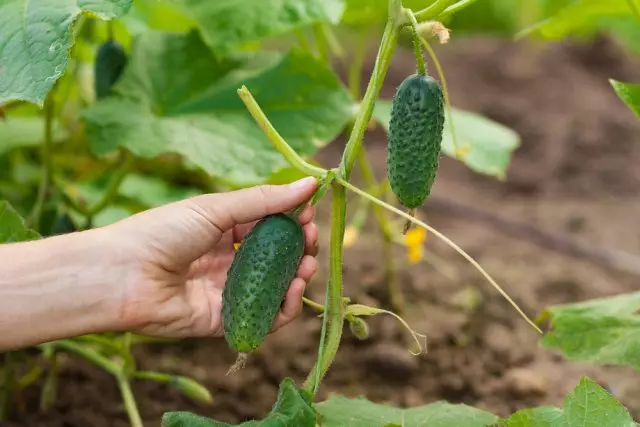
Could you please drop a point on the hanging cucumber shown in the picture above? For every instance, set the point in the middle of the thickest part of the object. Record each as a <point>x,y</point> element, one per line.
<point>258,279</point>
<point>415,138</point>
<point>110,62</point>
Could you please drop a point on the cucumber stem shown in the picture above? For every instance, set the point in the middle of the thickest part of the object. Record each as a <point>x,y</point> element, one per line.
<point>275,138</point>
<point>334,310</point>
<point>383,59</point>
<point>433,10</point>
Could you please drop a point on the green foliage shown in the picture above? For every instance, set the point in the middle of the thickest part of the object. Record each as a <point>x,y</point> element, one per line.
<point>584,18</point>
<point>293,408</point>
<point>487,145</point>
<point>629,93</point>
<point>341,411</point>
<point>16,132</point>
<point>12,226</point>
<point>226,25</point>
<point>603,331</point>
<point>588,405</point>
<point>36,37</point>
<point>176,97</point>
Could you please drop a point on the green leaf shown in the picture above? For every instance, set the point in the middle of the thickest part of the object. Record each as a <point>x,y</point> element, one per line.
<point>602,331</point>
<point>26,132</point>
<point>581,16</point>
<point>228,24</point>
<point>588,405</point>
<point>151,191</point>
<point>35,39</point>
<point>292,409</point>
<point>341,411</point>
<point>176,97</point>
<point>146,15</point>
<point>488,144</point>
<point>629,93</point>
<point>12,226</point>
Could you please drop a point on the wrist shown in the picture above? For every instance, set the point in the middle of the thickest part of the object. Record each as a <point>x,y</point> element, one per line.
<point>59,287</point>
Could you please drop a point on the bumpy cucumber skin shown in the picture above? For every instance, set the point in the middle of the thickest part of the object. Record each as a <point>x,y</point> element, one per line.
<point>415,139</point>
<point>110,62</point>
<point>258,279</point>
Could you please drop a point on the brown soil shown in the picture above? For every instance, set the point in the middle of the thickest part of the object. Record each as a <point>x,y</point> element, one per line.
<point>576,172</point>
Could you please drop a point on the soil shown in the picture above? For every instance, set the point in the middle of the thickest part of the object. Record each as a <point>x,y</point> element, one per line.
<point>575,173</point>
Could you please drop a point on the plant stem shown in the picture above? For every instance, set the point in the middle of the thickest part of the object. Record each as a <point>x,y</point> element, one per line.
<point>47,162</point>
<point>332,41</point>
<point>313,304</point>
<point>320,41</point>
<point>445,90</point>
<point>90,355</point>
<point>275,138</point>
<point>158,377</point>
<point>635,8</point>
<point>302,40</point>
<point>433,10</point>
<point>417,48</point>
<point>462,4</point>
<point>355,67</point>
<point>129,401</point>
<point>7,386</point>
<point>387,47</point>
<point>114,185</point>
<point>397,300</point>
<point>334,306</point>
<point>50,387</point>
<point>443,238</point>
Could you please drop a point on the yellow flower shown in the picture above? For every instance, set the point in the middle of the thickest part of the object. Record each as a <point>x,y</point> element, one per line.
<point>414,240</point>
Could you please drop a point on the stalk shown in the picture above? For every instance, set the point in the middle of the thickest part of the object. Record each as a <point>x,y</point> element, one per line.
<point>50,387</point>
<point>7,386</point>
<point>387,47</point>
<point>334,310</point>
<point>47,163</point>
<point>433,10</point>
<point>129,401</point>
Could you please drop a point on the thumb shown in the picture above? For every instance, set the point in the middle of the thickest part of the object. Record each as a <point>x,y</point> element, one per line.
<point>226,210</point>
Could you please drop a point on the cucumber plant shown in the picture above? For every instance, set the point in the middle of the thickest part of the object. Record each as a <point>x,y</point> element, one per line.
<point>132,118</point>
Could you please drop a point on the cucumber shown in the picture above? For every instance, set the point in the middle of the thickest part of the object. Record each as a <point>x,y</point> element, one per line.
<point>110,62</point>
<point>258,279</point>
<point>415,139</point>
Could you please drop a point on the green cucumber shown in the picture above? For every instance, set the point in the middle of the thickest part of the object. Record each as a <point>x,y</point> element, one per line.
<point>258,279</point>
<point>415,139</point>
<point>110,62</point>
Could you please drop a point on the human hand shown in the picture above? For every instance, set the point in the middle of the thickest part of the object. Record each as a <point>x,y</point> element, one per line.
<point>175,258</point>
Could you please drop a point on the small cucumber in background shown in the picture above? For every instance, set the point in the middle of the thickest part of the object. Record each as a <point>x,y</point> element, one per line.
<point>415,139</point>
<point>110,62</point>
<point>258,279</point>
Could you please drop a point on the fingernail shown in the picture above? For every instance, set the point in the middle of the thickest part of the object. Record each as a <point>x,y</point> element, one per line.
<point>303,184</point>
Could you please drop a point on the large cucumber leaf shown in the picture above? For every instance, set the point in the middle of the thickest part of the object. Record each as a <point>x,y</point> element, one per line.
<point>588,405</point>
<point>175,96</point>
<point>227,24</point>
<point>602,331</point>
<point>341,411</point>
<point>293,408</point>
<point>35,38</point>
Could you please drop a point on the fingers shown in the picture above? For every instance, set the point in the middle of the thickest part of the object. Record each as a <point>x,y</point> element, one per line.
<point>225,210</point>
<point>308,267</point>
<point>292,306</point>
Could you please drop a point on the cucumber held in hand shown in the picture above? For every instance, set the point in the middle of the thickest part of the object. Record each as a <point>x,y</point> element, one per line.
<point>110,62</point>
<point>257,281</point>
<point>415,138</point>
